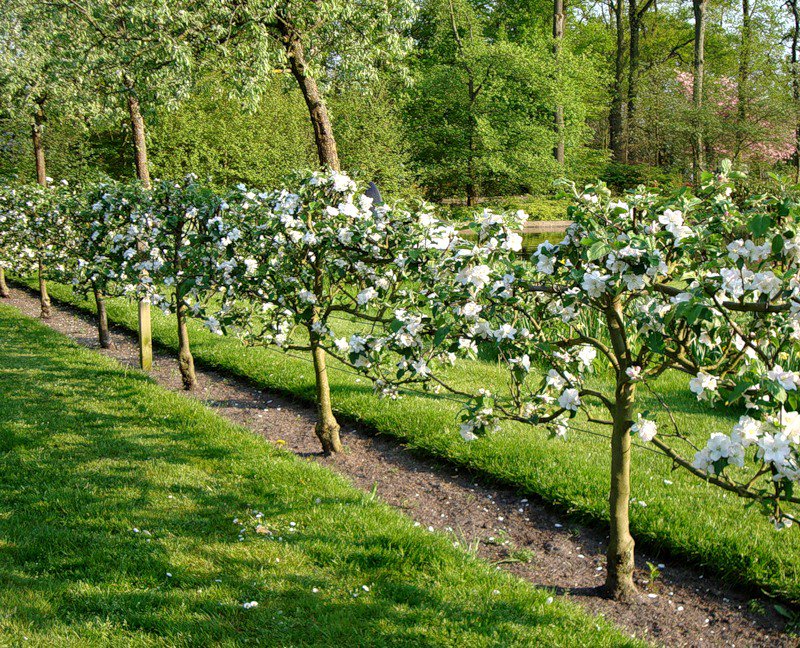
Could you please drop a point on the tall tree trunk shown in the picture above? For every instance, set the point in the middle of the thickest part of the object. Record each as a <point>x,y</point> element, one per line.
<point>698,66</point>
<point>320,120</point>
<point>4,292</point>
<point>143,173</point>
<point>616,116</point>
<point>559,20</point>
<point>634,28</point>
<point>472,180</point>
<point>41,177</point>
<point>103,334</point>
<point>794,8</point>
<point>744,78</point>
<point>620,556</point>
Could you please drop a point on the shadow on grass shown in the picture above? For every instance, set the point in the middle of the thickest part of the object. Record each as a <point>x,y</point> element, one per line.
<point>116,508</point>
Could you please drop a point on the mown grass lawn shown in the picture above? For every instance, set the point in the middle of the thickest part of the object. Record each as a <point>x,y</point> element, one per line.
<point>671,509</point>
<point>118,503</point>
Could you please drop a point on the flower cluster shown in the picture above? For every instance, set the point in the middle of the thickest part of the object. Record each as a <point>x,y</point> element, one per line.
<point>703,284</point>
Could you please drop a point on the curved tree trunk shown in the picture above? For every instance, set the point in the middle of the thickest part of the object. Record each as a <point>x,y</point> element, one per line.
<point>327,428</point>
<point>323,130</point>
<point>4,292</point>
<point>143,173</point>
<point>185,359</point>
<point>620,555</point>
<point>103,334</point>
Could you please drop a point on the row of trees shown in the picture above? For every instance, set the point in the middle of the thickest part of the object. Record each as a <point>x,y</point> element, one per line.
<point>467,98</point>
<point>704,284</point>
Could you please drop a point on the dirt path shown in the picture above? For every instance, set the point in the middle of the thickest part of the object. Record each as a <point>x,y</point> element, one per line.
<point>521,534</point>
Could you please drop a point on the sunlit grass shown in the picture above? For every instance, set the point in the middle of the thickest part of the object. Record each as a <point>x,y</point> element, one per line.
<point>671,510</point>
<point>119,504</point>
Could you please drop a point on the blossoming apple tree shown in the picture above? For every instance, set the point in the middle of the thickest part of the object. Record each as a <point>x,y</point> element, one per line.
<point>190,238</point>
<point>112,243</point>
<point>703,284</point>
<point>304,261</point>
<point>35,233</point>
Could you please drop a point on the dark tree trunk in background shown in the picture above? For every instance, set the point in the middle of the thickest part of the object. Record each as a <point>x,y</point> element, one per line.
<point>616,117</point>
<point>698,67</point>
<point>143,173</point>
<point>794,9</point>
<point>559,20</point>
<point>103,334</point>
<point>744,77</point>
<point>323,130</point>
<point>634,28</point>
<point>41,177</point>
<point>636,15</point>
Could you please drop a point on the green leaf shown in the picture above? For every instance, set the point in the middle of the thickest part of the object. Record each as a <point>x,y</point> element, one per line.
<point>441,334</point>
<point>760,223</point>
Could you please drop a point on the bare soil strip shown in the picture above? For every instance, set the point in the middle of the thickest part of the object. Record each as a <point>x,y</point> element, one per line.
<point>682,607</point>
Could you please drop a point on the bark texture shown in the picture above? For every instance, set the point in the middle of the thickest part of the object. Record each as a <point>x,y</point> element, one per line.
<point>143,174</point>
<point>327,428</point>
<point>41,177</point>
<point>185,358</point>
<point>620,555</point>
<point>559,21</point>
<point>698,67</point>
<point>103,334</point>
<point>616,116</point>
<point>44,297</point>
<point>3,286</point>
<point>317,109</point>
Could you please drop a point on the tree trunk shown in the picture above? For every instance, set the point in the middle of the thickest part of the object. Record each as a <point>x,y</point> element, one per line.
<point>143,173</point>
<point>44,298</point>
<point>616,117</point>
<point>744,78</point>
<point>41,178</point>
<point>139,140</point>
<point>327,428</point>
<point>185,359</point>
<point>794,8</point>
<point>103,334</point>
<point>38,144</point>
<point>634,26</point>
<point>323,130</point>
<point>4,292</point>
<point>620,556</point>
<point>559,19</point>
<point>698,159</point>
